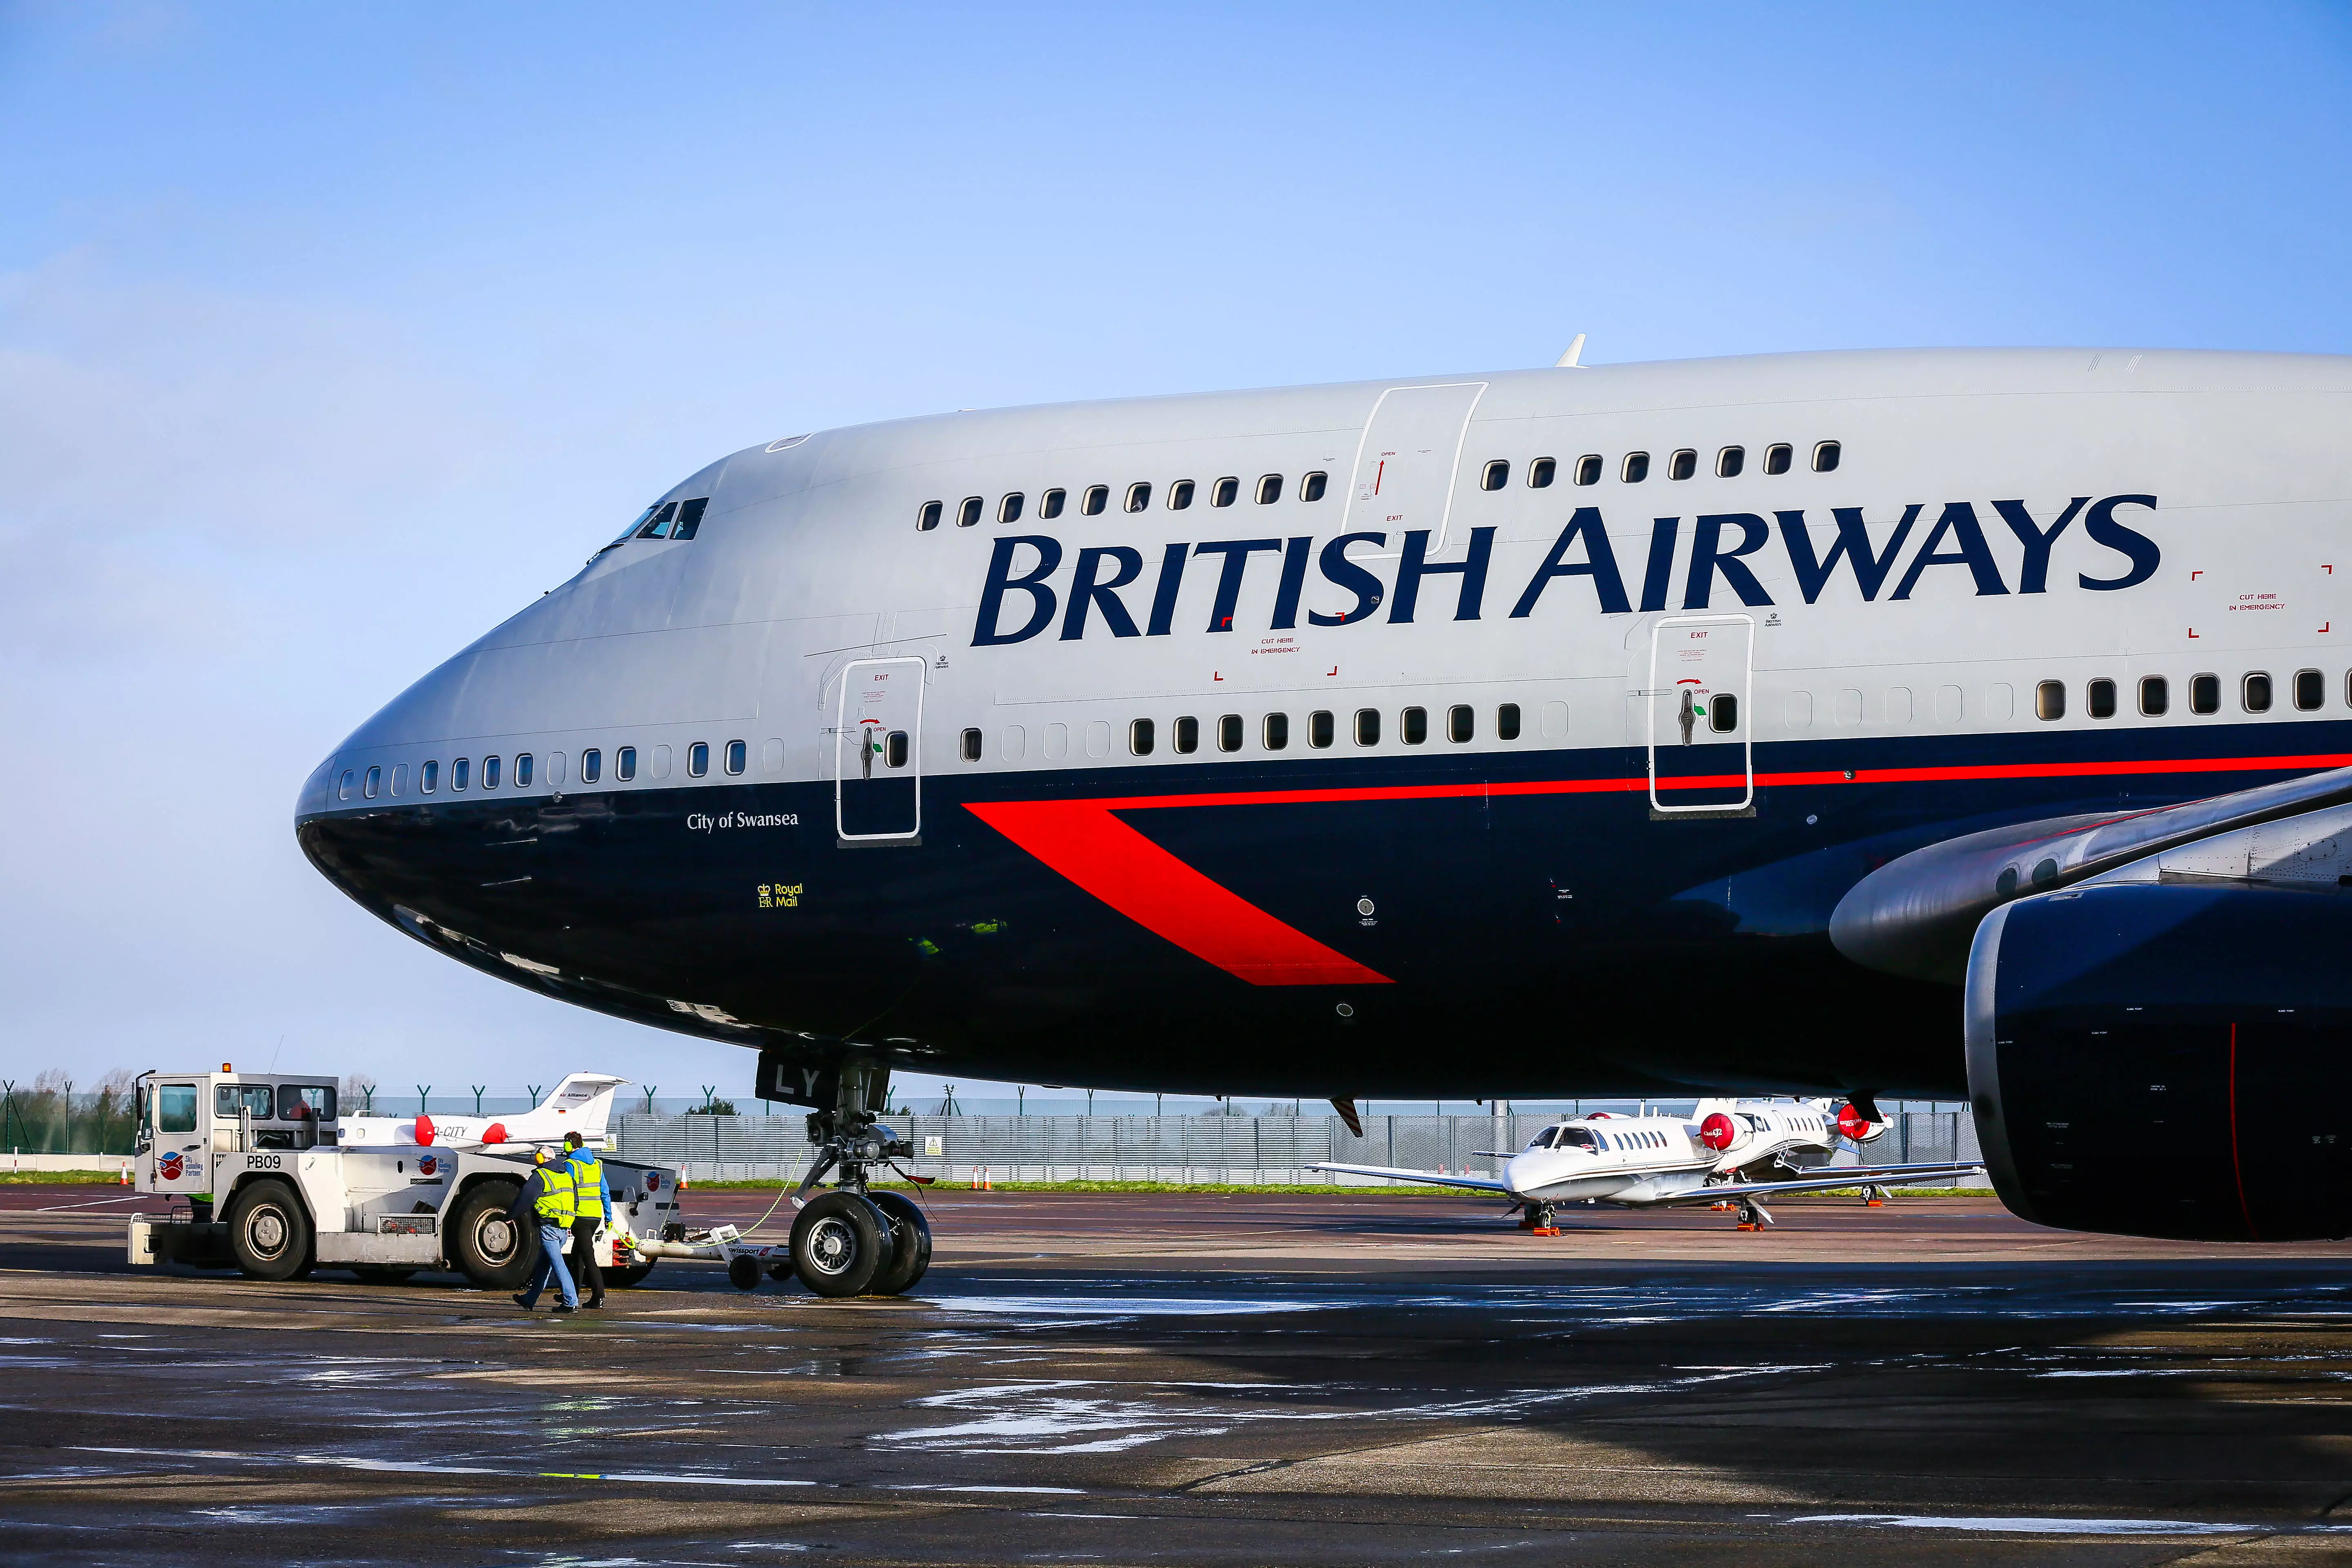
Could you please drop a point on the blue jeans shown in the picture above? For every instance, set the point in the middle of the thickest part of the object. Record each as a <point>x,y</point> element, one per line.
<point>550,1261</point>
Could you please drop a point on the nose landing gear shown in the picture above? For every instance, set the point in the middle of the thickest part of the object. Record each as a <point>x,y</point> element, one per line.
<point>851,1241</point>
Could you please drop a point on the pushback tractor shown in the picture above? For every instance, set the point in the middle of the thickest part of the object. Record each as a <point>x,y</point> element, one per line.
<point>274,1189</point>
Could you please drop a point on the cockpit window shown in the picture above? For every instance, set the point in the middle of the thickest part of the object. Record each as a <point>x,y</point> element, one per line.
<point>689,518</point>
<point>657,526</point>
<point>1577,1138</point>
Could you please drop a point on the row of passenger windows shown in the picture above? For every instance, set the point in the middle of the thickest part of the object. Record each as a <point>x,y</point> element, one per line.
<point>1095,500</point>
<point>461,777</point>
<point>1232,731</point>
<point>2256,694</point>
<point>1634,466</point>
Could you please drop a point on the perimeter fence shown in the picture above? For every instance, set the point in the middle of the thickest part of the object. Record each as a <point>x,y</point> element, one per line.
<point>1235,1150</point>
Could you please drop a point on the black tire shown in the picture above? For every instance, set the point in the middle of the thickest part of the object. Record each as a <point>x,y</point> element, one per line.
<point>839,1242</point>
<point>910,1251</point>
<point>377,1273</point>
<point>781,1273</point>
<point>495,1253</point>
<point>268,1231</point>
<point>743,1272</point>
<point>628,1278</point>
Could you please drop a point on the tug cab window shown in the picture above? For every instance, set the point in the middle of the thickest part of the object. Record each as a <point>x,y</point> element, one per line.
<point>252,1099</point>
<point>175,1108</point>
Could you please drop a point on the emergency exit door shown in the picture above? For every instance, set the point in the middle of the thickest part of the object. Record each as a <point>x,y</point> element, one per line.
<point>877,763</point>
<point>1700,758</point>
<point>1406,463</point>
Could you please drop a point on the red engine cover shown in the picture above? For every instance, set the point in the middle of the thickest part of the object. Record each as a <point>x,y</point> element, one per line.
<point>424,1128</point>
<point>1850,1123</point>
<point>1716,1132</point>
<point>496,1132</point>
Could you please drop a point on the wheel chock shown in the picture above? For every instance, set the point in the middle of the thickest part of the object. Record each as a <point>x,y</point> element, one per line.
<point>1543,1230</point>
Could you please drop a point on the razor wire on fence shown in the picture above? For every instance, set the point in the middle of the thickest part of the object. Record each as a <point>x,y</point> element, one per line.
<point>1237,1150</point>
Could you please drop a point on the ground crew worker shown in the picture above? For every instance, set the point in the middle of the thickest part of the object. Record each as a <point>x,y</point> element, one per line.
<point>592,1210</point>
<point>547,1199</point>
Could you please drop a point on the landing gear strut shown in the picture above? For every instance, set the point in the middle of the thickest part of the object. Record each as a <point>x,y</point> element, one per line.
<point>849,1241</point>
<point>1537,1218</point>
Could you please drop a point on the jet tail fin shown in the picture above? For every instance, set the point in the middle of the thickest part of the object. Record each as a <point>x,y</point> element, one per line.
<point>581,1103</point>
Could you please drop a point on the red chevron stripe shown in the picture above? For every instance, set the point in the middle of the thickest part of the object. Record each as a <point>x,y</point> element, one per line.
<point>1083,840</point>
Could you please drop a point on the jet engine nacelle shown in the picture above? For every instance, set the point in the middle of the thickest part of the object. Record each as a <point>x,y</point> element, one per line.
<point>2162,1059</point>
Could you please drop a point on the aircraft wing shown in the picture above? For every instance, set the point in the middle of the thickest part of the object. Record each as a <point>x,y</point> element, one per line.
<point>1847,1177</point>
<point>1475,1183</point>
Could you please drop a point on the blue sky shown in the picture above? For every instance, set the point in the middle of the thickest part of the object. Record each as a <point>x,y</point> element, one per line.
<point>331,335</point>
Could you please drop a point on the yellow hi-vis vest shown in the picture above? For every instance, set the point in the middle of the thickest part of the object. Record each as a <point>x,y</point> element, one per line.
<point>588,1195</point>
<point>556,1193</point>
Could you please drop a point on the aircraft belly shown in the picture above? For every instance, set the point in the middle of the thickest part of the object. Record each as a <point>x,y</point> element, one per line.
<point>1524,894</point>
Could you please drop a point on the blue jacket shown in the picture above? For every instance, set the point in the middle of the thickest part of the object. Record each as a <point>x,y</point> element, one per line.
<point>596,1200</point>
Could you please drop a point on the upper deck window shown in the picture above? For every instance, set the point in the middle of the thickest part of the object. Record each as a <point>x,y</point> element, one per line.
<point>1049,505</point>
<point>1776,458</point>
<point>1096,497</point>
<point>1139,495</point>
<point>1179,495</point>
<point>928,518</point>
<point>1009,509</point>
<point>1497,475</point>
<point>969,512</point>
<point>1729,461</point>
<point>1226,491</point>
<point>1312,486</point>
<point>1588,468</point>
<point>1636,468</point>
<point>1682,465</point>
<point>1826,457</point>
<point>1269,488</point>
<point>1542,472</point>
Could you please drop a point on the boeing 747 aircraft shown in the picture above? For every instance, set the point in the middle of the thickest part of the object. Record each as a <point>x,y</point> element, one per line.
<point>1932,723</point>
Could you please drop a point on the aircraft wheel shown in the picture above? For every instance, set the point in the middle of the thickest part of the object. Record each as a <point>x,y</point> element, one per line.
<point>376,1274</point>
<point>493,1251</point>
<point>839,1242</point>
<point>268,1231</point>
<point>911,1249</point>
<point>743,1272</point>
<point>627,1277</point>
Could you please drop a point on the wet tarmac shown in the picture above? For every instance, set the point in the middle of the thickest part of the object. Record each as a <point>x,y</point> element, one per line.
<point>1261,1379</point>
